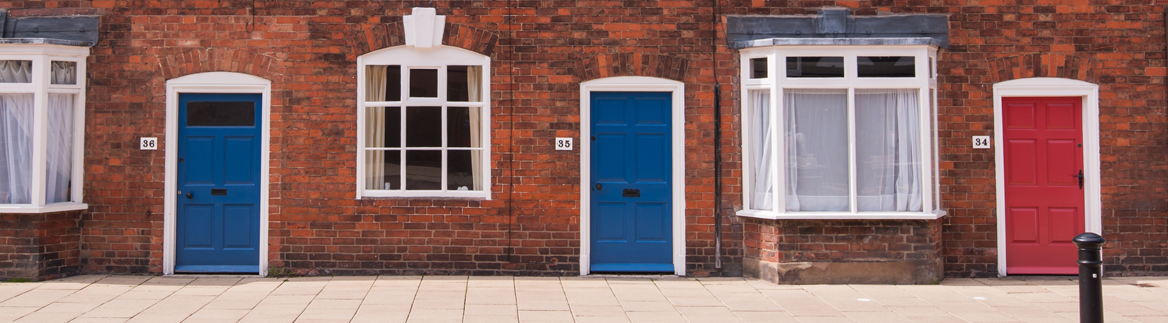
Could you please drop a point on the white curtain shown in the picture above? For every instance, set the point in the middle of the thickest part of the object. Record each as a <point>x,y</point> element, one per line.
<point>816,141</point>
<point>16,111</point>
<point>64,72</point>
<point>375,128</point>
<point>761,138</point>
<point>60,148</point>
<point>474,76</point>
<point>888,172</point>
<point>15,71</point>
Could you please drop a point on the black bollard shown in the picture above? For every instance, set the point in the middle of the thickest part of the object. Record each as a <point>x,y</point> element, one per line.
<point>1090,277</point>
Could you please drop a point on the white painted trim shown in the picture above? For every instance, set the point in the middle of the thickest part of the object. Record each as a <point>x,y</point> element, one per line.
<point>48,208</point>
<point>777,82</point>
<point>436,57</point>
<point>40,86</point>
<point>771,215</point>
<point>1052,87</point>
<point>212,82</point>
<point>634,84</point>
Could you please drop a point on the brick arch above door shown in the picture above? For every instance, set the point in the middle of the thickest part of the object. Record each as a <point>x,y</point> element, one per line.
<point>1074,67</point>
<point>203,60</point>
<point>632,64</point>
<point>375,37</point>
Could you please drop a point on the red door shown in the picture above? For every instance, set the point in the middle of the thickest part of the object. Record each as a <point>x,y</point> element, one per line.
<point>1044,194</point>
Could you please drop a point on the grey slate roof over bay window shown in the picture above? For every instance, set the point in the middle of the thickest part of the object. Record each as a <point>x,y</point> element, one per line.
<point>833,26</point>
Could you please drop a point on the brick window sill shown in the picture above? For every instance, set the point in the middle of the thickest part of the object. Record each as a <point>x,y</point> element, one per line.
<point>50,208</point>
<point>771,215</point>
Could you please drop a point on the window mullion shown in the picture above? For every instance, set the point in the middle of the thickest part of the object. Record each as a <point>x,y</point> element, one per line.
<point>401,143</point>
<point>40,133</point>
<point>853,199</point>
<point>445,130</point>
<point>77,176</point>
<point>923,130</point>
<point>779,151</point>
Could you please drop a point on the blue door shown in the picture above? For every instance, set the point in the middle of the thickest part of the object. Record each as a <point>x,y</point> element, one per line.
<point>631,166</point>
<point>218,183</point>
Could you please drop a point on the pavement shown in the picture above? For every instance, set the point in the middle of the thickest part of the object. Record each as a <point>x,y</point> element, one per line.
<point>98,298</point>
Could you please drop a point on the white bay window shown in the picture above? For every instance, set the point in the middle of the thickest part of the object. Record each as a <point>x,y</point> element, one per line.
<point>423,123</point>
<point>840,132</point>
<point>42,100</point>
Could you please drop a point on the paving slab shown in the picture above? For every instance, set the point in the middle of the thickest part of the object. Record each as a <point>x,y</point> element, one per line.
<point>121,298</point>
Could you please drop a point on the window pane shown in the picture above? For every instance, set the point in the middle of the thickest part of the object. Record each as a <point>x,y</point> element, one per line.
<point>761,154</point>
<point>423,127</point>
<point>15,71</point>
<point>816,136</point>
<point>423,83</point>
<point>886,66</point>
<point>462,172</point>
<point>379,82</point>
<point>16,148</point>
<point>382,127</point>
<point>815,67</point>
<point>457,85</point>
<point>888,150</point>
<point>463,127</point>
<point>758,68</point>
<point>60,148</point>
<point>383,169</point>
<point>220,114</point>
<point>64,72</point>
<point>393,82</point>
<point>424,170</point>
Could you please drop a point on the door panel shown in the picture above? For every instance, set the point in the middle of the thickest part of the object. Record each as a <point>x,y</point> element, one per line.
<point>631,210</point>
<point>1044,198</point>
<point>218,183</point>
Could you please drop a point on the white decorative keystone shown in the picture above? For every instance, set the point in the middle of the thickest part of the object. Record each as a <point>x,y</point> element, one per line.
<point>424,28</point>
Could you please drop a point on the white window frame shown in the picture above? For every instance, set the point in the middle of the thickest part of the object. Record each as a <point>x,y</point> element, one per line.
<point>776,82</point>
<point>436,57</point>
<point>41,56</point>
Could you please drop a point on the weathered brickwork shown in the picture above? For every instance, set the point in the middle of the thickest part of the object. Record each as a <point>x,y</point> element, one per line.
<point>39,246</point>
<point>541,50</point>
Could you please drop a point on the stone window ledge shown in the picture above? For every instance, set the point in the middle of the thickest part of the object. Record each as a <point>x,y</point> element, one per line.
<point>771,215</point>
<point>50,208</point>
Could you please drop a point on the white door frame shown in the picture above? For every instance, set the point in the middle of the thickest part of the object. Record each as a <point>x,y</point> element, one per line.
<point>634,84</point>
<point>1051,87</point>
<point>212,82</point>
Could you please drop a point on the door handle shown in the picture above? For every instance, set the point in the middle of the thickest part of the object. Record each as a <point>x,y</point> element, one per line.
<point>1080,177</point>
<point>190,195</point>
<point>598,186</point>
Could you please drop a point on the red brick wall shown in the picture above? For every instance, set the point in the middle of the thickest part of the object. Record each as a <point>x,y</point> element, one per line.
<point>39,246</point>
<point>531,224</point>
<point>843,240</point>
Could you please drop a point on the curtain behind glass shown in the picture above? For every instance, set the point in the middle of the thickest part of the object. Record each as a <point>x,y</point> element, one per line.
<point>375,128</point>
<point>761,139</point>
<point>474,76</point>
<point>816,141</point>
<point>60,149</point>
<point>888,155</point>
<point>15,71</point>
<point>16,148</point>
<point>63,72</point>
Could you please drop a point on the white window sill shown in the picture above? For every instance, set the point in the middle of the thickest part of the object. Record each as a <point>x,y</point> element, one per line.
<point>429,194</point>
<point>50,208</point>
<point>772,215</point>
